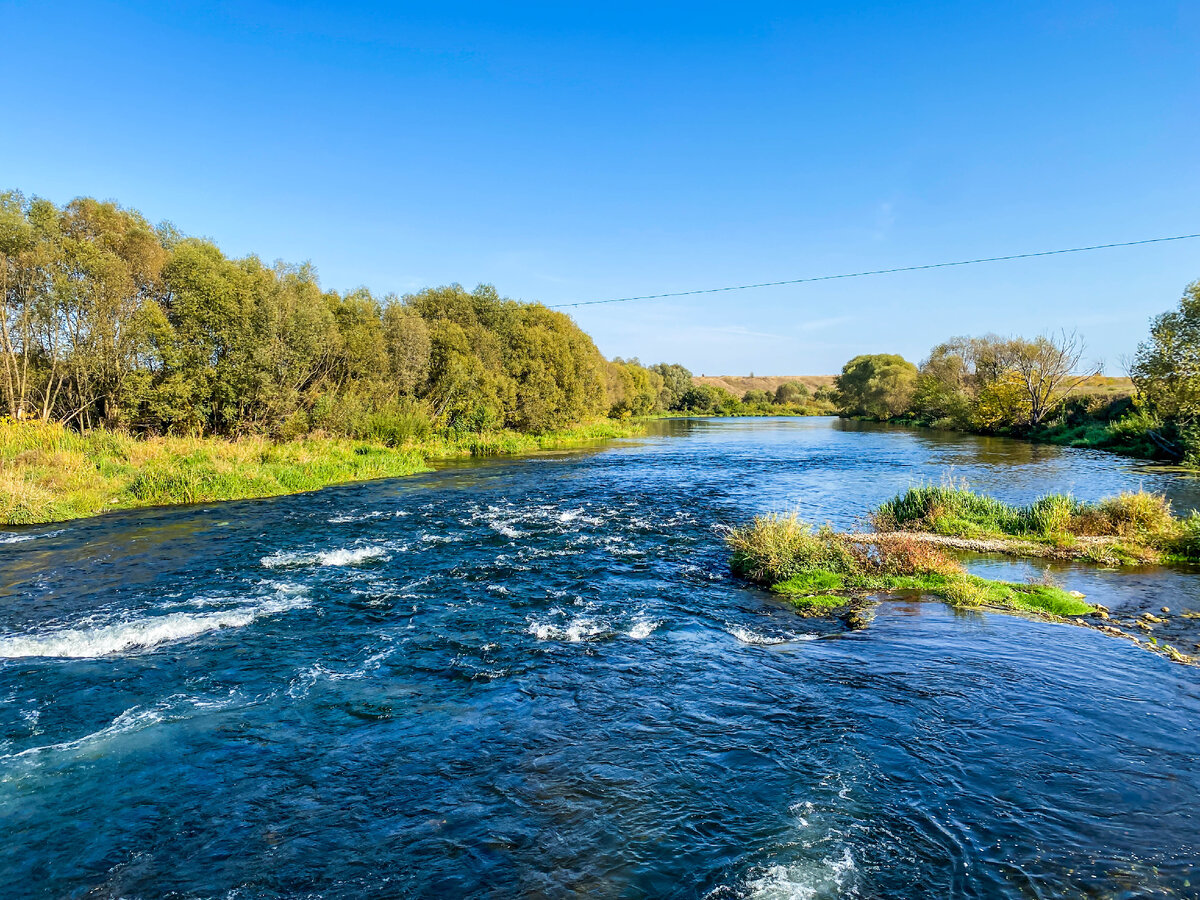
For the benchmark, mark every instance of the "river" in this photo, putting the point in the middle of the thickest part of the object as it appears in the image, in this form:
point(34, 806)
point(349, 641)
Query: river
point(537, 678)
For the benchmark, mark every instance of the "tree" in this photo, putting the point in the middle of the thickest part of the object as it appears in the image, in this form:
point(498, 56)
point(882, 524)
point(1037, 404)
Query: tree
point(676, 381)
point(791, 393)
point(994, 382)
point(1045, 370)
point(632, 389)
point(107, 274)
point(18, 301)
point(1166, 369)
point(878, 385)
point(705, 398)
point(406, 340)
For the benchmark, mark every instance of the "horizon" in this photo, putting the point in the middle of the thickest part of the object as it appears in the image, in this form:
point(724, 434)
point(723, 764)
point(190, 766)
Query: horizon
point(568, 156)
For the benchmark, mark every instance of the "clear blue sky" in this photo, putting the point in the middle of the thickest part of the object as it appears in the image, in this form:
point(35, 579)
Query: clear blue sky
point(564, 154)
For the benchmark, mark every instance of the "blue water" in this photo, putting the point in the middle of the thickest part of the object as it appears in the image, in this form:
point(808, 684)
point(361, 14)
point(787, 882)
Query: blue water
point(536, 678)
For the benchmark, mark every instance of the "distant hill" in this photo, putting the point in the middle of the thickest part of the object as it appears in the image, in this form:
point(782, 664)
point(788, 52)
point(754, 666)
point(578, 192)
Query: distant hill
point(739, 384)
point(1106, 386)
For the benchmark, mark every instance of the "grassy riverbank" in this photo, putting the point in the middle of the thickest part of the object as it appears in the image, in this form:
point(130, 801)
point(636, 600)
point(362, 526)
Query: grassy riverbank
point(819, 569)
point(1132, 527)
point(1129, 433)
point(51, 474)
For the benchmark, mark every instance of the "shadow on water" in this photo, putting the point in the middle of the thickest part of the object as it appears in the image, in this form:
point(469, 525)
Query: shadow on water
point(536, 677)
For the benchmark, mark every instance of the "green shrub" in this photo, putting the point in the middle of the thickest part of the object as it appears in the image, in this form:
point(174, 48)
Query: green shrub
point(1130, 514)
point(775, 547)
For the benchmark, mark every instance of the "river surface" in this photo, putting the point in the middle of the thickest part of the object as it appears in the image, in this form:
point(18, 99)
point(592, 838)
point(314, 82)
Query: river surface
point(536, 678)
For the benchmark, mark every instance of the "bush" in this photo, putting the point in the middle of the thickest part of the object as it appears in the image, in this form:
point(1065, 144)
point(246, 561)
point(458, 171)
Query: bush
point(900, 554)
point(775, 547)
point(1131, 514)
point(397, 424)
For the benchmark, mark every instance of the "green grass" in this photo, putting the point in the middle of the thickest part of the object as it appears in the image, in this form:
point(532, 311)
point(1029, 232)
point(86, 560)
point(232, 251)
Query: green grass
point(51, 474)
point(817, 569)
point(959, 590)
point(1138, 525)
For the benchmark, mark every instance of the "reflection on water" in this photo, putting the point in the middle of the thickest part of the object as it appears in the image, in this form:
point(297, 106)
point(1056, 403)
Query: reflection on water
point(536, 678)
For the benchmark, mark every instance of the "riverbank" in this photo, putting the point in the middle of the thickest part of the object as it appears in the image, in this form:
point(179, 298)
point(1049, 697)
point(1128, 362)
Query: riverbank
point(53, 474)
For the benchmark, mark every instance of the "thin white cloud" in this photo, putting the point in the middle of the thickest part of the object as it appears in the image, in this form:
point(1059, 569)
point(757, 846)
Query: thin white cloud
point(820, 324)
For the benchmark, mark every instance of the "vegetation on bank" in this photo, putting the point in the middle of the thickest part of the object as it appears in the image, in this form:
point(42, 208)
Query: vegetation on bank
point(109, 321)
point(1039, 390)
point(249, 379)
point(1131, 527)
point(817, 569)
point(50, 473)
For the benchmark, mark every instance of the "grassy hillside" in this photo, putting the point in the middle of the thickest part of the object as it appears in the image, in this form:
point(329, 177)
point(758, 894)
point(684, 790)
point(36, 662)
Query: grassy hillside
point(1105, 386)
point(739, 384)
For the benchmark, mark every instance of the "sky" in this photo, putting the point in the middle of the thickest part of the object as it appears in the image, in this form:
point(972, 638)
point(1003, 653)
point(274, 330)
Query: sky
point(567, 152)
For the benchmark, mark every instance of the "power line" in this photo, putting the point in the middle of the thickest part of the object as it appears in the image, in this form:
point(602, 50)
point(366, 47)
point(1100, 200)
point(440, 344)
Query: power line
point(944, 265)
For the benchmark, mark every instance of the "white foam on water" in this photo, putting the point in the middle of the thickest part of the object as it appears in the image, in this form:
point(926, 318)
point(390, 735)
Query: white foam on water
point(804, 881)
point(304, 680)
point(642, 629)
point(573, 632)
point(350, 556)
point(144, 633)
point(173, 708)
point(349, 518)
point(506, 529)
point(749, 636)
point(11, 538)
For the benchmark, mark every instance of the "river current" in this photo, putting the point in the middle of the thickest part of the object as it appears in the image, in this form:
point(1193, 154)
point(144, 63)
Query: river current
point(537, 678)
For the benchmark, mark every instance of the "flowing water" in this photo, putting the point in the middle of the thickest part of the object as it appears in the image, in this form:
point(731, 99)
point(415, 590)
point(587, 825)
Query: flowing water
point(536, 678)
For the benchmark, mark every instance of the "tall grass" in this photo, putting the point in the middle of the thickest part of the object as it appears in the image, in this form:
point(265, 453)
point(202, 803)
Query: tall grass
point(776, 547)
point(946, 509)
point(1139, 516)
point(49, 473)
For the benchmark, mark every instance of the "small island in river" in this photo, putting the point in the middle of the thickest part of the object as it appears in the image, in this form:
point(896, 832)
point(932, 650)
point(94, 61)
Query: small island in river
point(821, 571)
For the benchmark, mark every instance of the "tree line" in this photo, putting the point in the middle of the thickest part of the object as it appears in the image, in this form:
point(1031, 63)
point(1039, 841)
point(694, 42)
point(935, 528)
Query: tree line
point(107, 320)
point(1036, 387)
